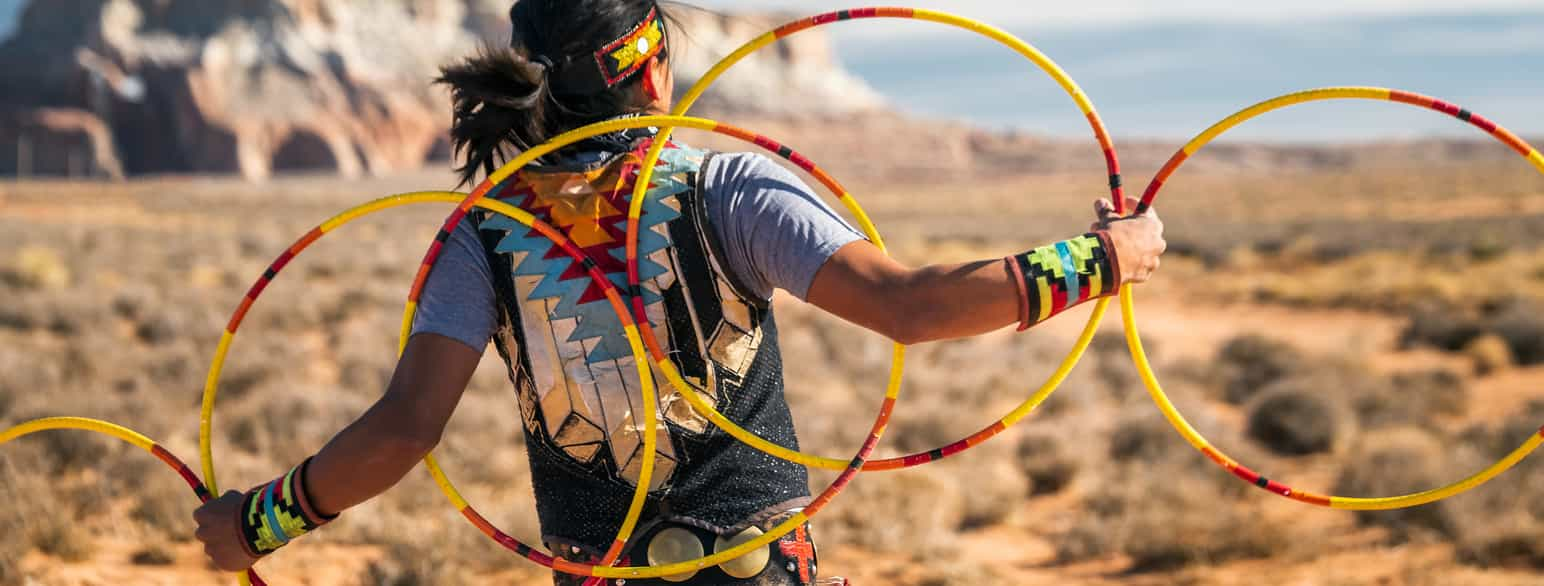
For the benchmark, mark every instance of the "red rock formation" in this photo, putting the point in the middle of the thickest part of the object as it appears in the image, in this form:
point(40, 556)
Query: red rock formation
point(259, 86)
point(54, 141)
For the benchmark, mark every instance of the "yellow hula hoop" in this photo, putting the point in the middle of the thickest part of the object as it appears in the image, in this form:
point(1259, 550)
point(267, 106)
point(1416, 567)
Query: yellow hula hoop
point(667, 368)
point(211, 388)
point(1139, 354)
point(640, 355)
point(132, 438)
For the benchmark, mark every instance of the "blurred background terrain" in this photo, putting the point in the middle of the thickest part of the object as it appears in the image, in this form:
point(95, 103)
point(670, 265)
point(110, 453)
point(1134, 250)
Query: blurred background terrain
point(1352, 302)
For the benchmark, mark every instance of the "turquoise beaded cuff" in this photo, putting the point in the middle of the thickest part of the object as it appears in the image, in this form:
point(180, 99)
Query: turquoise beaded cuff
point(278, 512)
point(1055, 277)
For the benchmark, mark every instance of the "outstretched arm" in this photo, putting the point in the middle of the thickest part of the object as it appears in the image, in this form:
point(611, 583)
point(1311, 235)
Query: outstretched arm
point(912, 306)
point(369, 456)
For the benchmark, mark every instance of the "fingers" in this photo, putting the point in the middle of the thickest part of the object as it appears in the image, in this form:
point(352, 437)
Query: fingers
point(1105, 211)
point(1131, 205)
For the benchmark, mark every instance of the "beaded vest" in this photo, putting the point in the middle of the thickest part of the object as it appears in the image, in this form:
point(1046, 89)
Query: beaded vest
point(573, 370)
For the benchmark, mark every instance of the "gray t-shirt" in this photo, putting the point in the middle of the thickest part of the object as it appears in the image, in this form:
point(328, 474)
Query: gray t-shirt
point(775, 231)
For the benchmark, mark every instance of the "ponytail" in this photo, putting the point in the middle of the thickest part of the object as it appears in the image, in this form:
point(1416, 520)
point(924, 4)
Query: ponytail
point(552, 79)
point(501, 103)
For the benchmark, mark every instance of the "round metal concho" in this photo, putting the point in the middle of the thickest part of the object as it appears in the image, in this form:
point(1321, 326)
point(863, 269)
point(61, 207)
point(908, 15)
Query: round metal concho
point(749, 565)
point(672, 546)
point(1170, 412)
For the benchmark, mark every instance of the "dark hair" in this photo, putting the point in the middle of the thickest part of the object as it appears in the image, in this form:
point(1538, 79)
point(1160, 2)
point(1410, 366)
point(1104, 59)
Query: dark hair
point(503, 98)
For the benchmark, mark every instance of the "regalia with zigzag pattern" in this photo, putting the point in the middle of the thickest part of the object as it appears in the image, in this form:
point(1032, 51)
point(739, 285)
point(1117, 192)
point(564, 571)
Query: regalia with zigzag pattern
point(573, 371)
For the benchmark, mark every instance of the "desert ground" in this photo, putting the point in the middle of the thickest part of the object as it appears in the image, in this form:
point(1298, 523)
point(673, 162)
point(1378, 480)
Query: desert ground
point(1361, 327)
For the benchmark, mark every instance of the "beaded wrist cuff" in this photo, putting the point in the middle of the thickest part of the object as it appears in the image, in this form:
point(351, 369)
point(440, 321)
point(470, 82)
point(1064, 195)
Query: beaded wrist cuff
point(276, 513)
point(1058, 276)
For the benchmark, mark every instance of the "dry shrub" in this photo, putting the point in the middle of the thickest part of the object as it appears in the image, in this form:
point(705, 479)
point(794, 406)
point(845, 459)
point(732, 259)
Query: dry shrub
point(1394, 462)
point(1166, 506)
point(1144, 437)
point(51, 524)
point(1112, 359)
point(415, 564)
point(1184, 515)
point(1490, 354)
point(11, 525)
point(1418, 398)
point(1521, 324)
point(916, 512)
point(1517, 322)
point(996, 486)
point(20, 315)
point(1249, 363)
point(1292, 418)
point(72, 313)
point(133, 302)
point(37, 267)
point(153, 555)
point(1502, 524)
point(1046, 463)
point(60, 537)
point(11, 551)
point(959, 575)
point(161, 327)
point(1433, 392)
point(7, 399)
point(71, 450)
point(162, 502)
point(1440, 326)
point(1511, 542)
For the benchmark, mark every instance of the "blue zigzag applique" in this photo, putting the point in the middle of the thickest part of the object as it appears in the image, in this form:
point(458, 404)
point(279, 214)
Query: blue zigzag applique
point(597, 319)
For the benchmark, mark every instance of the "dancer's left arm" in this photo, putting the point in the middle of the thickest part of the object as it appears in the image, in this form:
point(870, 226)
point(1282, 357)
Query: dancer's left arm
point(455, 322)
point(368, 457)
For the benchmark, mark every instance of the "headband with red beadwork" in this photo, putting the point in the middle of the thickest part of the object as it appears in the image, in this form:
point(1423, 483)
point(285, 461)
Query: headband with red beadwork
point(613, 63)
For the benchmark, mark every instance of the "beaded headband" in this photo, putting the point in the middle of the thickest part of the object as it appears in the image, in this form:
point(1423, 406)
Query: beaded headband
point(614, 63)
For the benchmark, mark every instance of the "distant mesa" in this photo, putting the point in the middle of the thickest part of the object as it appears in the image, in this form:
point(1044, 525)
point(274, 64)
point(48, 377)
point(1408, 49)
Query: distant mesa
point(133, 87)
point(117, 88)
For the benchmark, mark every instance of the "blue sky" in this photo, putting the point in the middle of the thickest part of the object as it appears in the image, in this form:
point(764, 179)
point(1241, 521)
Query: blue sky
point(1062, 13)
point(1170, 68)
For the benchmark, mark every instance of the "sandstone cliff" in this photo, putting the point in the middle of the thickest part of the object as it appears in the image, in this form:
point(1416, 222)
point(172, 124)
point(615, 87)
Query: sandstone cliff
point(115, 87)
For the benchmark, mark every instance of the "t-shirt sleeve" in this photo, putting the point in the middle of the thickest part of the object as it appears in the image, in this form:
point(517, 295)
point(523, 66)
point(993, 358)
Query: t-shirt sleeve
point(776, 232)
point(458, 301)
